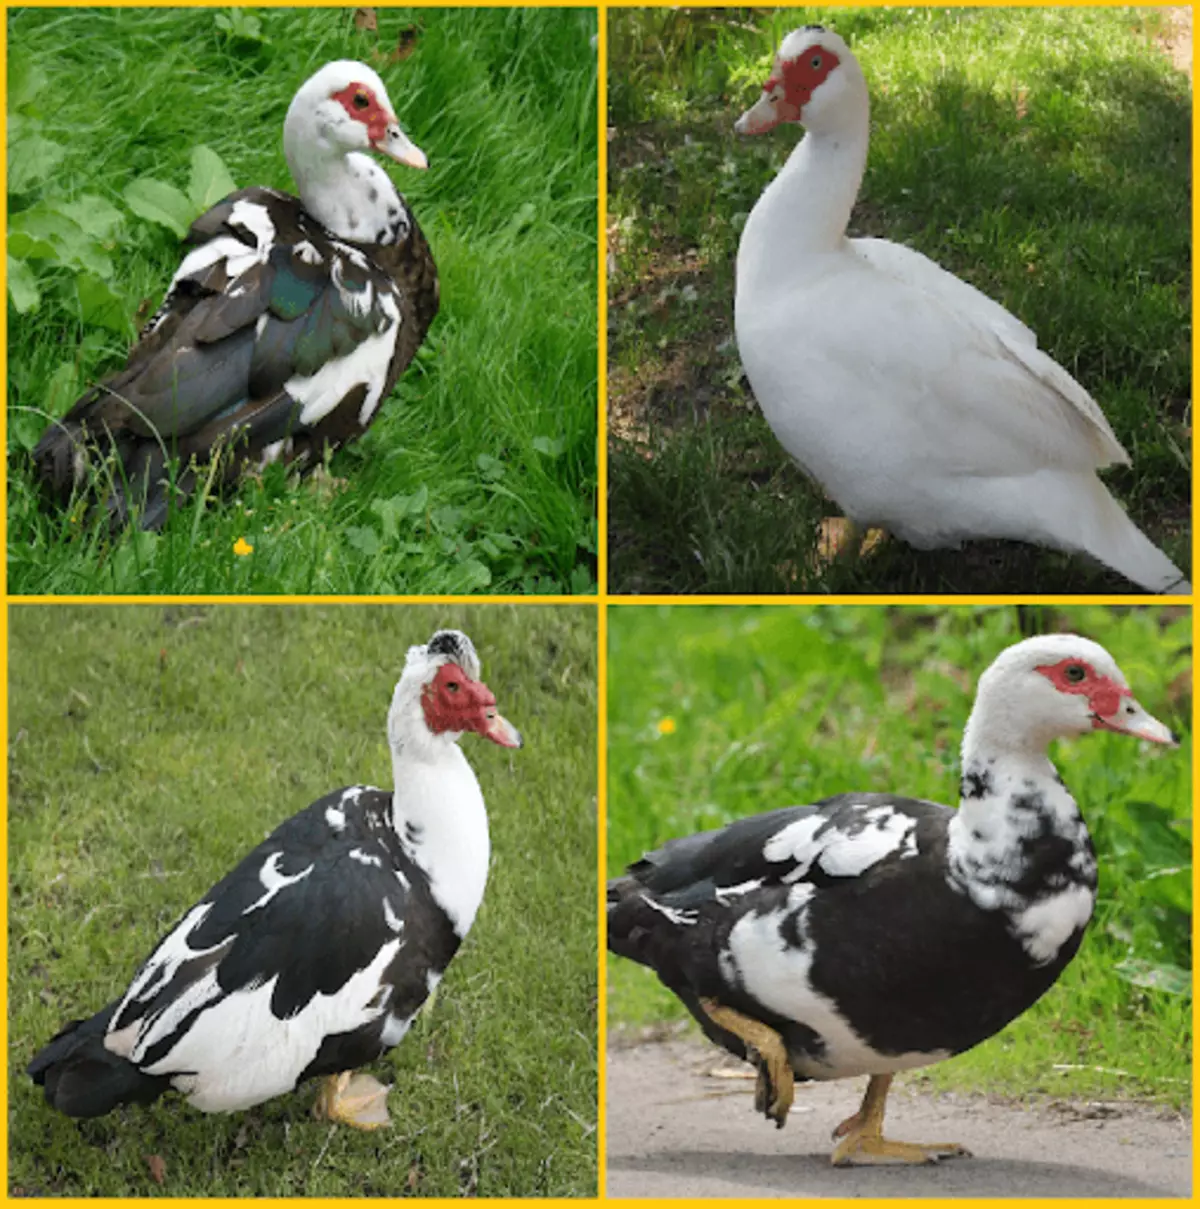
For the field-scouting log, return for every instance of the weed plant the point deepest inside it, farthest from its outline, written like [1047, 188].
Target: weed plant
[1042, 154]
[480, 472]
[746, 709]
[151, 748]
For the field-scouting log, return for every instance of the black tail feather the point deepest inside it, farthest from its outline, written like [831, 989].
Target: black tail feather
[83, 1079]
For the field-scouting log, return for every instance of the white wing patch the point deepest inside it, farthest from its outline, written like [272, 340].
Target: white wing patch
[365, 858]
[238, 1053]
[393, 921]
[680, 918]
[273, 881]
[839, 852]
[158, 971]
[777, 975]
[336, 818]
[366, 365]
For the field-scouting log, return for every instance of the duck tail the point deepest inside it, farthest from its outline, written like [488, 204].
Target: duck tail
[82, 455]
[82, 1078]
[1106, 533]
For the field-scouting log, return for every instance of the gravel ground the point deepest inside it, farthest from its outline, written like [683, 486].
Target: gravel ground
[675, 1130]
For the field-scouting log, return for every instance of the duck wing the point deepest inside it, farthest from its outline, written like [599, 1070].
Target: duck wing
[310, 957]
[1048, 396]
[275, 339]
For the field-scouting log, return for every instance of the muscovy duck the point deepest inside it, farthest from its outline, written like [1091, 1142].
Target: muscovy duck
[316, 953]
[870, 933]
[914, 400]
[284, 329]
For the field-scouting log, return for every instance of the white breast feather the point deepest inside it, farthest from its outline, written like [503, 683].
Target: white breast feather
[243, 1054]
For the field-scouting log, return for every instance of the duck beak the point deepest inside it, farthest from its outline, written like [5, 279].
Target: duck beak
[396, 145]
[500, 730]
[1132, 719]
[762, 116]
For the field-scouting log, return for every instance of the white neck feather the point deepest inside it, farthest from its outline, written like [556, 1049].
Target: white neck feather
[348, 193]
[805, 209]
[438, 809]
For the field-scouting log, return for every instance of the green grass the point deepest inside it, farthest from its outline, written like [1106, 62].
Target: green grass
[775, 706]
[152, 747]
[1040, 154]
[480, 473]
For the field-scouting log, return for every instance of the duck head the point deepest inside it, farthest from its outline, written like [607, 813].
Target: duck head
[1056, 686]
[814, 81]
[441, 695]
[344, 108]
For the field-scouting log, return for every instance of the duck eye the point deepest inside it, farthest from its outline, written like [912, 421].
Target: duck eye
[815, 62]
[1074, 673]
[361, 101]
[452, 686]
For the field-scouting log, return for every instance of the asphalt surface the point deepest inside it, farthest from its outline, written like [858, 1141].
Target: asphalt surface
[676, 1129]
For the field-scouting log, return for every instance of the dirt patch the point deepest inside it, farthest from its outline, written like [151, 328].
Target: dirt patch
[1176, 41]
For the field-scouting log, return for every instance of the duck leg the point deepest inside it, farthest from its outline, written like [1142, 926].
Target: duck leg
[863, 1140]
[841, 540]
[774, 1091]
[357, 1100]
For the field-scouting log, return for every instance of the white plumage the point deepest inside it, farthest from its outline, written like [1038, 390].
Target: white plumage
[917, 402]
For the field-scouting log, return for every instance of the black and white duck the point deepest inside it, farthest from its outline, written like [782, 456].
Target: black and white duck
[285, 328]
[872, 933]
[316, 953]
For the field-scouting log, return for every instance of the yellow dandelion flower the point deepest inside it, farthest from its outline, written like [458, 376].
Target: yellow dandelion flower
[242, 547]
[666, 726]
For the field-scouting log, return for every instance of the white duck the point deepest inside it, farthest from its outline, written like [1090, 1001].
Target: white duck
[315, 954]
[871, 933]
[918, 403]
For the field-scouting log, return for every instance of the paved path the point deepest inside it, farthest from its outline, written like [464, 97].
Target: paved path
[674, 1130]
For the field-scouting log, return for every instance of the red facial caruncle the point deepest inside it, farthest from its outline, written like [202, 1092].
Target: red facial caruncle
[453, 702]
[798, 78]
[1076, 676]
[361, 103]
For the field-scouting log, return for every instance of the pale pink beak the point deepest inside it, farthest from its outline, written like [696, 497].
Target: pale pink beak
[396, 145]
[1132, 719]
[500, 730]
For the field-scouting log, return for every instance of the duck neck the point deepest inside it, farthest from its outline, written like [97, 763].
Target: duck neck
[1018, 843]
[439, 815]
[348, 193]
[805, 209]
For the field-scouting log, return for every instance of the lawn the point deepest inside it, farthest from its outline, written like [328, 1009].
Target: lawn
[747, 709]
[1042, 154]
[480, 472]
[151, 747]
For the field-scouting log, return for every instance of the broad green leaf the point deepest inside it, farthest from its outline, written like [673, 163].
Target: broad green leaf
[22, 286]
[552, 447]
[100, 304]
[30, 160]
[1158, 976]
[94, 216]
[161, 203]
[62, 389]
[210, 180]
[25, 81]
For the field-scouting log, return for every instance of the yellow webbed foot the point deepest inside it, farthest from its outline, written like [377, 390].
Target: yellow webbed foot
[776, 1086]
[863, 1142]
[357, 1100]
